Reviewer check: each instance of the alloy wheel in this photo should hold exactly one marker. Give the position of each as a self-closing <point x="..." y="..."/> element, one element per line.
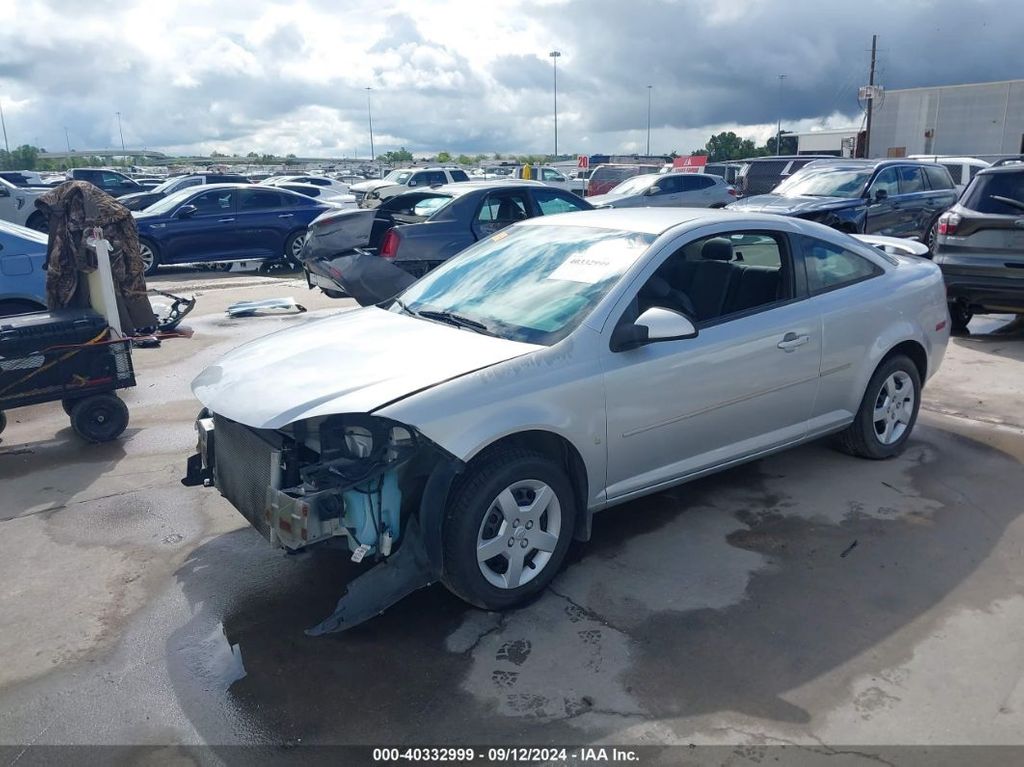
<point x="894" y="408"/>
<point x="518" y="534"/>
<point x="147" y="256"/>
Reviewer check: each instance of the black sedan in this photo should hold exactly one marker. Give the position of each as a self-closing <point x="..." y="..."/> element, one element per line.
<point x="142" y="200"/>
<point x="897" y="198"/>
<point x="373" y="254"/>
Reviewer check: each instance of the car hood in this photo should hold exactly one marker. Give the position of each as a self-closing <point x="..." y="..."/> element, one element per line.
<point x="792" y="206"/>
<point x="352" y="362"/>
<point x="614" y="199"/>
<point x="139" y="195"/>
<point x="369" y="186"/>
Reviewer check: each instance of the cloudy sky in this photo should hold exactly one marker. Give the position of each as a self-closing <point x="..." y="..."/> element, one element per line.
<point x="470" y="76"/>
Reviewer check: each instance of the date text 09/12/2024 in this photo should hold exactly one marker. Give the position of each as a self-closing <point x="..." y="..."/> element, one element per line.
<point x="498" y="754"/>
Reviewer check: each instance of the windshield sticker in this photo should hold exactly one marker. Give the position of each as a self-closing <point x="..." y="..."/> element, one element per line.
<point x="584" y="267"/>
<point x="497" y="236"/>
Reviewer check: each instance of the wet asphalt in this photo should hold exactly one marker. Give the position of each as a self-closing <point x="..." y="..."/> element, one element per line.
<point x="806" y="598"/>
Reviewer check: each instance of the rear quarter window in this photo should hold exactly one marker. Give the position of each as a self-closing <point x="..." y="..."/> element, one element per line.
<point x="459" y="175"/>
<point x="938" y="177"/>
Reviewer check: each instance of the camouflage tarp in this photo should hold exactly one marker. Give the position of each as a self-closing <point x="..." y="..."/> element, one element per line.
<point x="73" y="207"/>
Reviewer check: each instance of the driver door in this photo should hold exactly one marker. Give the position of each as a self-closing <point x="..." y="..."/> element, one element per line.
<point x="883" y="216"/>
<point x="208" y="235"/>
<point x="744" y="384"/>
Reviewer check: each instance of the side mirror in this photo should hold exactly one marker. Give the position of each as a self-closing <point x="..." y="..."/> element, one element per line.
<point x="655" y="324"/>
<point x="187" y="211"/>
<point x="880" y="194"/>
<point x="414" y="182"/>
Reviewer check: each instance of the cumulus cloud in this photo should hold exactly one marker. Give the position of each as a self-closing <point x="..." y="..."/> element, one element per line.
<point x="290" y="75"/>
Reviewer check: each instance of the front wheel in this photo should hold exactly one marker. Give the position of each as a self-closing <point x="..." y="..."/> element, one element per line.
<point x="293" y="247"/>
<point x="960" y="316"/>
<point x="507" y="529"/>
<point x="887" y="413"/>
<point x="150" y="259"/>
<point x="99" y="418"/>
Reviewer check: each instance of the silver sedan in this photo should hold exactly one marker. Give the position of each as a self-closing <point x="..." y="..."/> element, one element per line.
<point x="468" y="430"/>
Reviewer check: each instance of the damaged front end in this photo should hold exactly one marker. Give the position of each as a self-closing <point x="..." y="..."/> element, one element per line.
<point x="365" y="482"/>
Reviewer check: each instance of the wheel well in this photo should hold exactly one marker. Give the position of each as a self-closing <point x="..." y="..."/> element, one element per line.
<point x="565" y="454"/>
<point x="915" y="352"/>
<point x="20" y="306"/>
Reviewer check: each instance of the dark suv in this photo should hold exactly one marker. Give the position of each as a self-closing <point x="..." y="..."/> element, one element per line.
<point x="980" y="244"/>
<point x="760" y="175"/>
<point x="898" y="198"/>
<point x="110" y="181"/>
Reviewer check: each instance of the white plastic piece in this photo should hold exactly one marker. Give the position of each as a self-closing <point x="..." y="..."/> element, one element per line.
<point x="385" y="543"/>
<point x="362" y="551"/>
<point x="101" y="282"/>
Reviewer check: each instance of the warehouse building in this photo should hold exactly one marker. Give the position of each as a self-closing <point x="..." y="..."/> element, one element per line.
<point x="972" y="120"/>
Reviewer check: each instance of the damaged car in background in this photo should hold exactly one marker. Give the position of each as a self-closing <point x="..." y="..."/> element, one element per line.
<point x="467" y="431"/>
<point x="371" y="255"/>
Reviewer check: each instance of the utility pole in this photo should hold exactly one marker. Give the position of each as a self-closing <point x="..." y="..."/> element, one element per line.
<point x="778" y="132"/>
<point x="369" y="117"/>
<point x="871" y="98"/>
<point x="649" y="89"/>
<point x="3" y="122"/>
<point x="67" y="137"/>
<point x="121" y="134"/>
<point x="554" y="74"/>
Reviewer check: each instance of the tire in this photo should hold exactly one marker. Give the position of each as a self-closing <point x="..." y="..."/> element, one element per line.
<point x="3" y="421"/>
<point x="39" y="222"/>
<point x="99" y="418"/>
<point x="887" y="405"/>
<point x="931" y="237"/>
<point x="474" y="518"/>
<point x="150" y="256"/>
<point x="10" y="308"/>
<point x="68" y="403"/>
<point x="293" y="247"/>
<point x="960" y="316"/>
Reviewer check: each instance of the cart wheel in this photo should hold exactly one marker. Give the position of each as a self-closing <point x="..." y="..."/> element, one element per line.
<point x="3" y="421"/>
<point x="99" y="418"/>
<point x="69" y="404"/>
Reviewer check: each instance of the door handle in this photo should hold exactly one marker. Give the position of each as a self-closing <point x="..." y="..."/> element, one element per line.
<point x="285" y="215"/>
<point x="791" y="342"/>
<point x="225" y="220"/>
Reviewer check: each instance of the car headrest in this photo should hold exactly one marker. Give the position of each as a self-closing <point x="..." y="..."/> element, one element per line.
<point x="717" y="249"/>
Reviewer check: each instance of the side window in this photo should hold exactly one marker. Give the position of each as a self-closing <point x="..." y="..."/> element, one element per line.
<point x="317" y="181"/>
<point x="551" y="201"/>
<point x="252" y="200"/>
<point x="938" y="178"/>
<point x="216" y="202"/>
<point x="671" y="183"/>
<point x="499" y="210"/>
<point x="718" y="277"/>
<point x="459" y="175"/>
<point x="547" y="174"/>
<point x="704" y="182"/>
<point x="973" y="171"/>
<point x="956" y="172"/>
<point x="418" y="179"/>
<point x="911" y="179"/>
<point x="437" y="178"/>
<point x="112" y="179"/>
<point x="185" y="183"/>
<point x="831" y="266"/>
<point x="885" y="180"/>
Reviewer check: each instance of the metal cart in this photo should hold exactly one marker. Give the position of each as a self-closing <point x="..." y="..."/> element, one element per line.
<point x="76" y="356"/>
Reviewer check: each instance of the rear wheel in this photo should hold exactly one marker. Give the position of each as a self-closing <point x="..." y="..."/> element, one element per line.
<point x="150" y="258"/>
<point x="3" y="421"/>
<point x="99" y="418"/>
<point x="960" y="316"/>
<point x="293" y="247"/>
<point x="887" y="413"/>
<point x="507" y="529"/>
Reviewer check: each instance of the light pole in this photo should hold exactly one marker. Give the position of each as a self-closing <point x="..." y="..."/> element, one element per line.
<point x="67" y="138"/>
<point x="650" y="88"/>
<point x="778" y="132"/>
<point x="554" y="73"/>
<point x="3" y="122"/>
<point x="121" y="133"/>
<point x="369" y="118"/>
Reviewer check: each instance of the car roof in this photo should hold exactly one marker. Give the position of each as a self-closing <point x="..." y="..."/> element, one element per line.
<point x="647" y="220"/>
<point x="849" y="163"/>
<point x="1011" y="167"/>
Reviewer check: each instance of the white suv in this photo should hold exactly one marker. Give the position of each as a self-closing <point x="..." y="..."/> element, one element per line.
<point x="17" y="205"/>
<point x="410" y="177"/>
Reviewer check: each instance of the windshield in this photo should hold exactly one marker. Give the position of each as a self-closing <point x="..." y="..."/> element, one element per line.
<point x="170" y="202"/>
<point x="431" y="205"/>
<point x="398" y="176"/>
<point x="529" y="283"/>
<point x="825" y="182"/>
<point x="636" y="184"/>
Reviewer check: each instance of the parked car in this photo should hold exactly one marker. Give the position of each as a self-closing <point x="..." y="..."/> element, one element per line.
<point x="566" y="365"/>
<point x="142" y="200"/>
<point x="112" y="182"/>
<point x="760" y="175"/>
<point x="17" y="205"/>
<point x="336" y="186"/>
<point x="900" y="198"/>
<point x="322" y="193"/>
<point x="373" y="254"/>
<point x="24" y="178"/>
<point x="665" y="190"/>
<point x="410" y="177"/>
<point x="225" y="222"/>
<point x="22" y="270"/>
<point x="980" y="245"/>
<point x="727" y="170"/>
<point x="961" y="169"/>
<point x="604" y="178"/>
